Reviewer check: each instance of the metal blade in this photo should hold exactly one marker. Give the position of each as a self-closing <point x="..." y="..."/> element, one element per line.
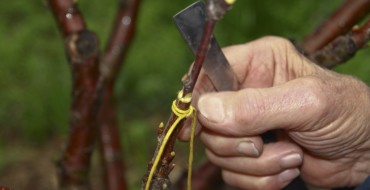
<point x="190" y="23"/>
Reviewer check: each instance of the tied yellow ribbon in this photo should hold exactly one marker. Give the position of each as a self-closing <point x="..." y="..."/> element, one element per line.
<point x="181" y="114"/>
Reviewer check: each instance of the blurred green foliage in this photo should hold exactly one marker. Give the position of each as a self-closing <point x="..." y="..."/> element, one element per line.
<point x="35" y="79"/>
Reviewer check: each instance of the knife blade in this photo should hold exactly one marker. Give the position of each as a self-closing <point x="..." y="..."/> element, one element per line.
<point x="190" y="22"/>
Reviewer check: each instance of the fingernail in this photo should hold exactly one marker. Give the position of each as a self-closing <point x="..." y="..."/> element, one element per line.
<point x="291" y="160"/>
<point x="248" y="148"/>
<point x="212" y="109"/>
<point x="288" y="175"/>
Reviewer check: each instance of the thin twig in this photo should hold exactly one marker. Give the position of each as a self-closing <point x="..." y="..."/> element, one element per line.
<point x="81" y="46"/>
<point x="190" y="81"/>
<point x="164" y="169"/>
<point x="215" y="9"/>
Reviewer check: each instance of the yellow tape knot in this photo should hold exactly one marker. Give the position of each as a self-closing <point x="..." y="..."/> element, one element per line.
<point x="181" y="114"/>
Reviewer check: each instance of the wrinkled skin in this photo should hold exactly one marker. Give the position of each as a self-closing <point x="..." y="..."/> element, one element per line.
<point x="323" y="118"/>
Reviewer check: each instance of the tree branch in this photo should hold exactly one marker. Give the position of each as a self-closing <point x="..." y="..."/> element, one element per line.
<point x="115" y="51"/>
<point x="81" y="46"/>
<point x="122" y="34"/>
<point x="342" y="48"/>
<point x="339" y="23"/>
<point x="215" y="9"/>
<point x="361" y="35"/>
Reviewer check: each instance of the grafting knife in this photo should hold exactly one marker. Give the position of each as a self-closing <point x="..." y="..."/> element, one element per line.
<point x="190" y="23"/>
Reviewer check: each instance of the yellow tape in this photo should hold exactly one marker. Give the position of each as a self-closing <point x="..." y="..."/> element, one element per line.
<point x="191" y="147"/>
<point x="181" y="114"/>
<point x="182" y="98"/>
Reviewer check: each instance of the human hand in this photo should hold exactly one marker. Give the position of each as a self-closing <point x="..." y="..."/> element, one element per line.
<point x="325" y="116"/>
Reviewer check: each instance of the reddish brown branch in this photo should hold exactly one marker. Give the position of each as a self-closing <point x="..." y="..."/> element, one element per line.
<point x="4" y="188"/>
<point x="68" y="17"/>
<point x="339" y="23"/>
<point x="165" y="168"/>
<point x="110" y="145"/>
<point x="109" y="136"/>
<point x="361" y="35"/>
<point x="215" y="9"/>
<point x="120" y="39"/>
<point x="160" y="178"/>
<point x="81" y="46"/>
<point x="342" y="48"/>
<point x="200" y="57"/>
<point x="338" y="51"/>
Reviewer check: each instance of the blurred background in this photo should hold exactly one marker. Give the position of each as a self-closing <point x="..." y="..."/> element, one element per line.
<point x="35" y="81"/>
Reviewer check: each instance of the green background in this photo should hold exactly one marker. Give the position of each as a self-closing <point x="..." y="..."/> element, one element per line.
<point x="35" y="83"/>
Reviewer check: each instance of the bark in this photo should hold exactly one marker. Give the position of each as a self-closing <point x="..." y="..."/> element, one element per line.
<point x="120" y="38"/>
<point x="109" y="136"/>
<point x="81" y="47"/>
<point x="160" y="178"/>
<point x="342" y="48"/>
<point x="339" y="23"/>
<point x="361" y="35"/>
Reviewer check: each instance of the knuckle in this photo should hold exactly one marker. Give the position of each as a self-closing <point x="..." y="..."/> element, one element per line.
<point x="276" y="42"/>
<point x="316" y="100"/>
<point x="263" y="183"/>
<point x="230" y="179"/>
<point x="213" y="158"/>
<point x="268" y="182"/>
<point x="276" y="39"/>
<point x="216" y="144"/>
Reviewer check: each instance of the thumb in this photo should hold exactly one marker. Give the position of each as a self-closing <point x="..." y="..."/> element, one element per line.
<point x="291" y="106"/>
